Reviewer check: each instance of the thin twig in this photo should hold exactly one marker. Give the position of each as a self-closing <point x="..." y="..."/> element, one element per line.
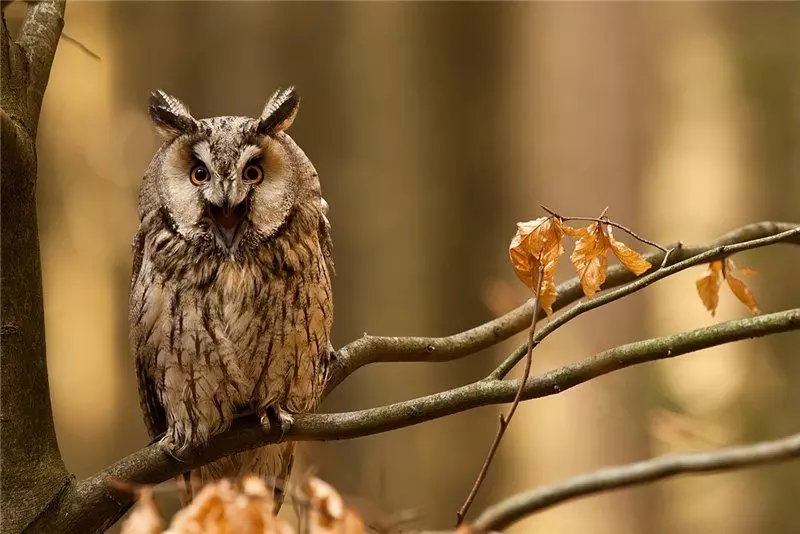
<point x="600" y="300"/>
<point x="80" y="45"/>
<point x="504" y="421"/>
<point x="668" y="254"/>
<point x="509" y="511"/>
<point x="605" y="220"/>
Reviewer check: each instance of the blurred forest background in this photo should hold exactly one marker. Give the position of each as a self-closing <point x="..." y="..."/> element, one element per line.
<point x="435" y="127"/>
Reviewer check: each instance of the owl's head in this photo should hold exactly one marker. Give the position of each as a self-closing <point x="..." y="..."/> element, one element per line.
<point x="227" y="182"/>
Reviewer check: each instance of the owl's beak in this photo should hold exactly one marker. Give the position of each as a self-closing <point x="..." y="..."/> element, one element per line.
<point x="228" y="219"/>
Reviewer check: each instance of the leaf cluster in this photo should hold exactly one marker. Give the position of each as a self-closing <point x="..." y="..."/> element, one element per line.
<point x="539" y="243"/>
<point x="247" y="508"/>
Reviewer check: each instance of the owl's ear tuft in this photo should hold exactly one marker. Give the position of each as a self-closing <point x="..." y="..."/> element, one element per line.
<point x="170" y="116"/>
<point x="279" y="112"/>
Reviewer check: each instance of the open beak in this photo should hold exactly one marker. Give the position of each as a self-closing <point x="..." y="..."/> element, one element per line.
<point x="227" y="219"/>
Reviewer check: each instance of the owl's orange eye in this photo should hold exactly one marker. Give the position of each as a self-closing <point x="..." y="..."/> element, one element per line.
<point x="253" y="174"/>
<point x="199" y="175"/>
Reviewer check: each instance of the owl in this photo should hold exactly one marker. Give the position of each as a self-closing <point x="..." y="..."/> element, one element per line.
<point x="231" y="305"/>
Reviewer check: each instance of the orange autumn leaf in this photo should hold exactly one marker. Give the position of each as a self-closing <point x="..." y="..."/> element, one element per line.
<point x="537" y="245"/>
<point x="708" y="286"/>
<point x="145" y="517"/>
<point x="632" y="260"/>
<point x="590" y="256"/>
<point x="329" y="514"/>
<point x="225" y="507"/>
<point x="742" y="293"/>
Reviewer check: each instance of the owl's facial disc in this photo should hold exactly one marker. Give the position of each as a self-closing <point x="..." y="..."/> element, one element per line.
<point x="228" y="222"/>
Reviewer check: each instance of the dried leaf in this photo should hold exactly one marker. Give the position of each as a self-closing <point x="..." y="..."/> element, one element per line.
<point x="548" y="295"/>
<point x="222" y="508"/>
<point x="206" y="511"/>
<point x="742" y="293"/>
<point x="145" y="517"/>
<point x="328" y="513"/>
<point x="632" y="260"/>
<point x="708" y="286"/>
<point x="225" y="508"/>
<point x="589" y="257"/>
<point x="537" y="244"/>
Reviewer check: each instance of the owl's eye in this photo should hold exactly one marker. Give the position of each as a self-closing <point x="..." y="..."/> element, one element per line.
<point x="199" y="175"/>
<point x="253" y="174"/>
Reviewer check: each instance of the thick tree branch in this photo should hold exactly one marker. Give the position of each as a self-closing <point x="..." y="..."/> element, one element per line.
<point x="93" y="503"/>
<point x="32" y="472"/>
<point x="375" y="349"/>
<point x="508" y="512"/>
<point x="38" y="38"/>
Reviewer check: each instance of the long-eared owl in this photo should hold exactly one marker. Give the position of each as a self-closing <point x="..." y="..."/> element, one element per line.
<point x="231" y="304"/>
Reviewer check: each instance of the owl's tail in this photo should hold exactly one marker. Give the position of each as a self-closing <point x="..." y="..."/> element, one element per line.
<point x="272" y="463"/>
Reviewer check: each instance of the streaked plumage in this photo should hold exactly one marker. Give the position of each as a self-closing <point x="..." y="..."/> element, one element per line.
<point x="231" y="304"/>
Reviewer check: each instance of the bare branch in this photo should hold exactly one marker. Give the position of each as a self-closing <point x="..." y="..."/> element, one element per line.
<point x="504" y="421"/>
<point x="508" y="512"/>
<point x="374" y="349"/>
<point x="98" y="502"/>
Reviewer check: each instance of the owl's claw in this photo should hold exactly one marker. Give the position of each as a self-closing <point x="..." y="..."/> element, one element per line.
<point x="169" y="445"/>
<point x="285" y="419"/>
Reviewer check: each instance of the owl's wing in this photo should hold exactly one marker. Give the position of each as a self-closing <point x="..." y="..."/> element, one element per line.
<point x="325" y="236"/>
<point x="155" y="418"/>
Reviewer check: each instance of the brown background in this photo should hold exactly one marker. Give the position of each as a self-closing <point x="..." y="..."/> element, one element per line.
<point x="435" y="127"/>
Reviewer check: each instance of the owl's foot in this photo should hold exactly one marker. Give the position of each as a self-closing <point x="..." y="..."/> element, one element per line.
<point x="173" y="446"/>
<point x="274" y="414"/>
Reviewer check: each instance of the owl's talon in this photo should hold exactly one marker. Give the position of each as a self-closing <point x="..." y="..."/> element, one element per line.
<point x="283" y="417"/>
<point x="171" y="447"/>
<point x="287" y="420"/>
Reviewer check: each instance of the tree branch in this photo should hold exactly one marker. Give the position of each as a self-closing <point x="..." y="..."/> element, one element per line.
<point x="39" y="38"/>
<point x="375" y="349"/>
<point x="95" y="504"/>
<point x="508" y="512"/>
